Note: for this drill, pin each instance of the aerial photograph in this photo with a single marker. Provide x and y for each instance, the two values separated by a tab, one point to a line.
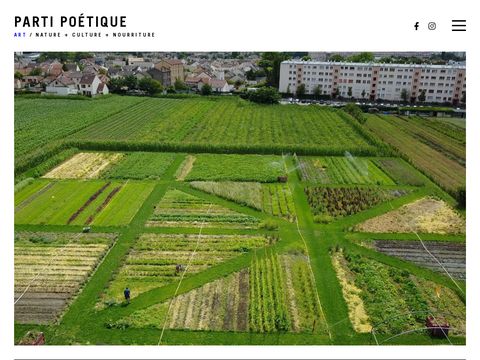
240	198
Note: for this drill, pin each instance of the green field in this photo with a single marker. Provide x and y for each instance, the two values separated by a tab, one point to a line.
273	198
186	208
80	202
440	158
39	122
236	168
151	263
227	122
141	166
341	170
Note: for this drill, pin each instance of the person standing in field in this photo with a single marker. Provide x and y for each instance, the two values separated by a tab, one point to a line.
126	293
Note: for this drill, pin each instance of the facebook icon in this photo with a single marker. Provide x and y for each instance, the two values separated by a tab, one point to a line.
416	26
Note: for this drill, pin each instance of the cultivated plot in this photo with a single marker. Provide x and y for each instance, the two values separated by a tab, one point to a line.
180	209
401	172
40	121
273	198
159	259
389	300
213	167
50	268
341	170
229	123
328	203
275	294
141	165
81	203
445	257
84	166
426	215
429	155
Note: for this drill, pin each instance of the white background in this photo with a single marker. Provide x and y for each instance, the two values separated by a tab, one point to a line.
254	25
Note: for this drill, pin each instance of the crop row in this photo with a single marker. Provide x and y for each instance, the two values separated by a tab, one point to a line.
153	260
401	172
278	200
441	256
329	203
141	165
177	208
260	168
446	172
84	166
341	170
217	306
53	265
267	308
273	198
42	121
396	301
430	136
78	202
275	294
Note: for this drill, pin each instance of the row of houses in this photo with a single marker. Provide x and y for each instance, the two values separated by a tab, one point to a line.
62	79
91	76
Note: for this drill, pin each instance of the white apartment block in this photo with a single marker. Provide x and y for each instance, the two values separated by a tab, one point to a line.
374	81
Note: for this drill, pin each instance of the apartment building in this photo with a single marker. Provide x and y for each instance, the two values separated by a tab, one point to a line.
375	81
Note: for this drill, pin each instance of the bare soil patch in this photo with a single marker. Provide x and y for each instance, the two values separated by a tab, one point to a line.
425	215
84	166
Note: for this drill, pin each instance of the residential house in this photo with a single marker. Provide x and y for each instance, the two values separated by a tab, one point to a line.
90	85
53	68
33	83
161	74
174	66
71	67
219	86
62	85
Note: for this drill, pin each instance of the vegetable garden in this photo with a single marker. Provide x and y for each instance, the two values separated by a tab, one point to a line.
50	268
80	203
180	209
202	208
152	261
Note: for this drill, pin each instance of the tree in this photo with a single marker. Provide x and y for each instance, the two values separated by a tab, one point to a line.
35	72
150	86
270	63
336	58
130	82
115	85
363	57
335	93
18	75
102	71
349	93
317	92
250	74
263	95
306	58
289	92
180	85
300	91
363	94
237	84
206	89
421	96
404	95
